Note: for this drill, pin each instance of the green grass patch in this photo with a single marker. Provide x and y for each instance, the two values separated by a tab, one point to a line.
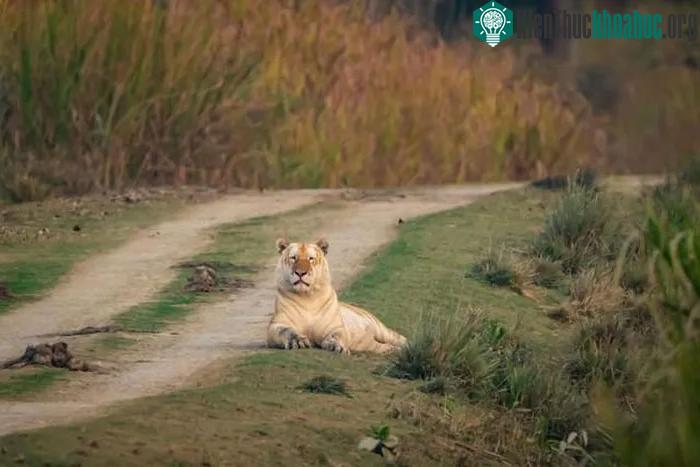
32	262
112	342
255	410
424	269
16	383
172	304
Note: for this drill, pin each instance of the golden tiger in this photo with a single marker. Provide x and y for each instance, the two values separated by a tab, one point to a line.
308	313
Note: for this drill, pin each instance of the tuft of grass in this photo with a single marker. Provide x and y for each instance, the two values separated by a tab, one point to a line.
325	384
496	269
578	231
547	273
500	268
593	293
453	346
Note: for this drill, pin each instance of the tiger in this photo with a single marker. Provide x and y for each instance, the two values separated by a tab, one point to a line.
307	311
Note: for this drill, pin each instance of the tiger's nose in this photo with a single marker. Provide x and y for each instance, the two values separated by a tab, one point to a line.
300	273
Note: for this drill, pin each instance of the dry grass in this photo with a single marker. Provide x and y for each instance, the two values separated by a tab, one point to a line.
107	94
592	293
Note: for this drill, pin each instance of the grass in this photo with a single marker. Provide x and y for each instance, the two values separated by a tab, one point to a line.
434	278
325	384
153	94
31	380
579	228
39	245
235	252
275	423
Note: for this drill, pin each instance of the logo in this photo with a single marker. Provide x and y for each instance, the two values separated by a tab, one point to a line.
493	23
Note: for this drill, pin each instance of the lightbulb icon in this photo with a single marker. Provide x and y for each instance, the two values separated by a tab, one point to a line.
492	21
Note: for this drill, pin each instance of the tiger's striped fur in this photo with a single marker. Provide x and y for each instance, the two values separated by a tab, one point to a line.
308	313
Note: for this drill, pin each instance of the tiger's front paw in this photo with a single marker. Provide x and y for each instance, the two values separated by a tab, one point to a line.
332	344
296	341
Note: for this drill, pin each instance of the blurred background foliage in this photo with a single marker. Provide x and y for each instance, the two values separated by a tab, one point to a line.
309	93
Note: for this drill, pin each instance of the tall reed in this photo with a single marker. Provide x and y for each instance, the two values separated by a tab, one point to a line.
281	93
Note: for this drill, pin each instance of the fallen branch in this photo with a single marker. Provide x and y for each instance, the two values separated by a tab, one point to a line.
87	330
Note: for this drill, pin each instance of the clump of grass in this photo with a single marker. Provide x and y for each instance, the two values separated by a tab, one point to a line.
592	293
438	385
325	384
603	350
635	276
547	273
500	268
495	268
472	357
578	232
453	347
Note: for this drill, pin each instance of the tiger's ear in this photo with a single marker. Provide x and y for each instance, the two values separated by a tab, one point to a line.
323	245
282	245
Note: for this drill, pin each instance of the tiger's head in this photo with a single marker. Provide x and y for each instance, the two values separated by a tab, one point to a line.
302	267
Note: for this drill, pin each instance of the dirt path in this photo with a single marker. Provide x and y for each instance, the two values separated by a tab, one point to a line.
108	284
215	330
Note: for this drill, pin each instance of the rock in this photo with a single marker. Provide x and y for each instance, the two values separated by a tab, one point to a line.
370	444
